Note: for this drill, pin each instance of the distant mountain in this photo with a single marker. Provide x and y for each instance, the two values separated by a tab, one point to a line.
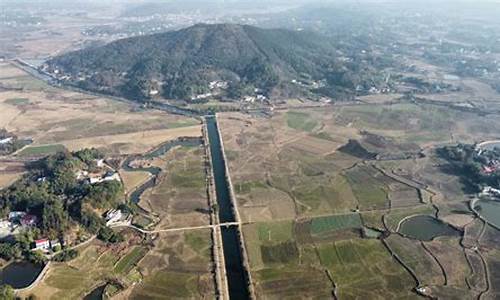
181	64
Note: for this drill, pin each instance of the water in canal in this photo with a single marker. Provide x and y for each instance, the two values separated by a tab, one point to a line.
426	228
19	274
236	274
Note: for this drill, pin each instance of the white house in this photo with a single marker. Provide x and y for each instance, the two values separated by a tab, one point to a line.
491	191
113	216
111	177
42	244
16	215
100	163
6	140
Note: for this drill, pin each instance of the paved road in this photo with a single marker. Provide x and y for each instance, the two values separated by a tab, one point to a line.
180	228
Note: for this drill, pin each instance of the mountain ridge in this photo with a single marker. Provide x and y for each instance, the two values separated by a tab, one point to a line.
181	64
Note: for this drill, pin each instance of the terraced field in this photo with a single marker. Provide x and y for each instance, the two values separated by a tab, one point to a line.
326	192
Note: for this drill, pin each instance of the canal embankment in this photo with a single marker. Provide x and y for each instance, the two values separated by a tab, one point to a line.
236	212
236	259
219	267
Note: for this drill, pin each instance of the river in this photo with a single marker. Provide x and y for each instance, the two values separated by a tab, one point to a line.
236	274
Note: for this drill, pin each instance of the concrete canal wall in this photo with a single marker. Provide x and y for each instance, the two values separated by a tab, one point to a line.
237	217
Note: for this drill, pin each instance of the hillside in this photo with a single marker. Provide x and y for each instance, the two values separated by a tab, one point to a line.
181	64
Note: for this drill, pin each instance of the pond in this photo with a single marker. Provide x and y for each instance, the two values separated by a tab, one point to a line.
96	294
489	210
19	274
426	228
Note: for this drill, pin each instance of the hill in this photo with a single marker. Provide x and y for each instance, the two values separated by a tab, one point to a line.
181	64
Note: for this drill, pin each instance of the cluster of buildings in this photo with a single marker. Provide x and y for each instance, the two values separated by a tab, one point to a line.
46	245
7	140
490	191
16	221
492	167
116	217
98	177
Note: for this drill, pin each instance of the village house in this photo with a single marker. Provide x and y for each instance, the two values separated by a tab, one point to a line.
6	140
29	220
42	244
113	216
15	216
109	176
54	244
491	191
100	163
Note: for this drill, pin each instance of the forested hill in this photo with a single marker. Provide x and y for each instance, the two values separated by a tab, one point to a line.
181	64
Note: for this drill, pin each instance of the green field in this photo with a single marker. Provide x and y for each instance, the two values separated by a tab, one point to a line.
275	232
364	268
168	285
17	101
370	191
300	121
325	224
130	260
41	150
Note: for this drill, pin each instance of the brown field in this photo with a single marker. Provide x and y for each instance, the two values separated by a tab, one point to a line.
10	172
56	116
138	142
178	266
180	197
132	180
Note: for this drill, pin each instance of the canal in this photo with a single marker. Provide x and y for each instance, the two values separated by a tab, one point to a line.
236	275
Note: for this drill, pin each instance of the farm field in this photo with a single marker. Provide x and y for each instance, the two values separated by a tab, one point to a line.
9	172
178	266
51	116
180	197
57	120
96	265
328	189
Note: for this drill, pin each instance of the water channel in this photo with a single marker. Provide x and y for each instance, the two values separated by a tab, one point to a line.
235	271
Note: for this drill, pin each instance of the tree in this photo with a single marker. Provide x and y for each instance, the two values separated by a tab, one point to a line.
7	292
36	257
107	234
54	217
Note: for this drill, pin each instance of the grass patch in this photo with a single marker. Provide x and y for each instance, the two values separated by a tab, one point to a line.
280	253
325	224
275	232
197	240
168	285
17	101
247	186
42	150
300	121
128	261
